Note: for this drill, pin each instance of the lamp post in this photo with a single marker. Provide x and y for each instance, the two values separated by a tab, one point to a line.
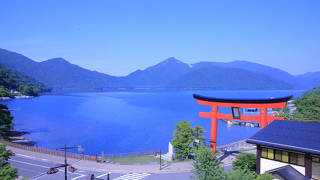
160	159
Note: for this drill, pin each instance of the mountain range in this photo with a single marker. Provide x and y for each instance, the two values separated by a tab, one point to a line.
171	73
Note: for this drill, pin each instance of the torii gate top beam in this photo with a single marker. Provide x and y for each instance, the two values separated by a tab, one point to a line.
243	103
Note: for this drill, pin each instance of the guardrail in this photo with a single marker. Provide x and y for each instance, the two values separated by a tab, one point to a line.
119	155
49	151
75	155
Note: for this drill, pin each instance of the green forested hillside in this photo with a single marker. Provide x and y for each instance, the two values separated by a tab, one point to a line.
13	80
214	77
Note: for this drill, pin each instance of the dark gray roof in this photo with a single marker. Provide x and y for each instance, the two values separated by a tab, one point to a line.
292	135
288	173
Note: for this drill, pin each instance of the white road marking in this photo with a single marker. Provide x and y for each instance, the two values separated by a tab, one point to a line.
133	176
78	177
28	163
62	170
103	175
44	167
25	156
30	157
38	176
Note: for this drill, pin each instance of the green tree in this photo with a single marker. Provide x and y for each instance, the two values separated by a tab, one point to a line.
198	131
265	176
240	175
6	172
244	174
197	134
308	106
4	92
286	116
245	161
6	123
28	90
184	135
206	166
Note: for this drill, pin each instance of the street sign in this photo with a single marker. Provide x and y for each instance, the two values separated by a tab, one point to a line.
72	169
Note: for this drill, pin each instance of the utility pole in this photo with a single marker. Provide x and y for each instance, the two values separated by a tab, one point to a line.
65	162
65	159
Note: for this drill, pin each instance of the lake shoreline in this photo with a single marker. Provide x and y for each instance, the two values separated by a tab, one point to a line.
16	97
18	138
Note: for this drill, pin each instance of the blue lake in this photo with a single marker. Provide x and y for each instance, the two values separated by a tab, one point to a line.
119	122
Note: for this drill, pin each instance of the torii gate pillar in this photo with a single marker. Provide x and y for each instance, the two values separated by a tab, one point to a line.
214	128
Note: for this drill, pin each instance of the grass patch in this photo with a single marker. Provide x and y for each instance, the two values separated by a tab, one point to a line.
177	160
146	159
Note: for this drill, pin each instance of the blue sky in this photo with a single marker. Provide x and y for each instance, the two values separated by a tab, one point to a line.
118	37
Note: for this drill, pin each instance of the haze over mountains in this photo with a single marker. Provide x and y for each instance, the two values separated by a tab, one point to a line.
168	74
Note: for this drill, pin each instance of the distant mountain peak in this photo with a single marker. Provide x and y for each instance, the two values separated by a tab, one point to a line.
57	60
172	60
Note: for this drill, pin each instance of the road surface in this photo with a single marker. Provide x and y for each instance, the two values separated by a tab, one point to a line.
34	168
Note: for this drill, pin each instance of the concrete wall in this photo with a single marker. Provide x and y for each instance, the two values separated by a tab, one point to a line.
268	164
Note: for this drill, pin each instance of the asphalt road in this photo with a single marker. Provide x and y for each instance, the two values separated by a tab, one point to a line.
36	169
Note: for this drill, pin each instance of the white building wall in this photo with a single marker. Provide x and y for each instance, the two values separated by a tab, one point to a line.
268	164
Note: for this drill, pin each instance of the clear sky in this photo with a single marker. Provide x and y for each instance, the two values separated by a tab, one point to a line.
118	37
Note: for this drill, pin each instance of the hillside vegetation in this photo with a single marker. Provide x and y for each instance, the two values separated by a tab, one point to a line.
308	106
13	80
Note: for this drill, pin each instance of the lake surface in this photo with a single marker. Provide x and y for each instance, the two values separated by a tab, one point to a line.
119	122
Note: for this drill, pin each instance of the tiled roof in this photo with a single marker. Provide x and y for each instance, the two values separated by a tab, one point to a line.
292	135
288	173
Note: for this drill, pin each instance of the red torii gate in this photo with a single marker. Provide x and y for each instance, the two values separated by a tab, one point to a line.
263	118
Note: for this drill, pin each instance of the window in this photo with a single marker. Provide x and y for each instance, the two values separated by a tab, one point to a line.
236	112
284	156
278	155
293	158
315	159
264	152
315	167
300	160
315	170
297	159
270	154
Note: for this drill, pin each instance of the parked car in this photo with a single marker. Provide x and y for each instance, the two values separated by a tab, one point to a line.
52	171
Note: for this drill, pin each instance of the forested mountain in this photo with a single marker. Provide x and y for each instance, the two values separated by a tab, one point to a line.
159	75
13	80
174	74
59	73
309	80
215	77
253	67
168	74
62	75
